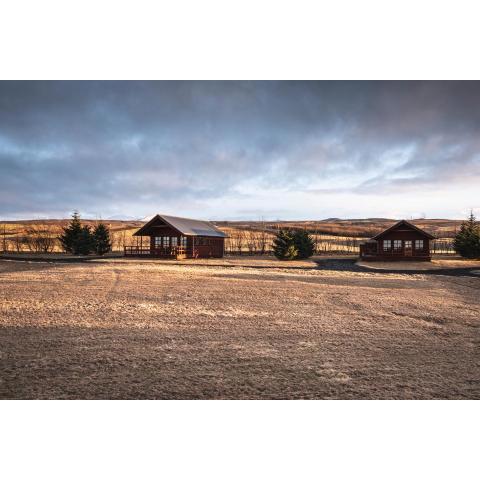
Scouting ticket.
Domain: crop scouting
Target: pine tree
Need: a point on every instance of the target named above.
(86, 242)
(71, 234)
(304, 244)
(284, 245)
(77, 239)
(467, 239)
(101, 237)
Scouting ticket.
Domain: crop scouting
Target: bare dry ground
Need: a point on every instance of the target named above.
(436, 264)
(160, 330)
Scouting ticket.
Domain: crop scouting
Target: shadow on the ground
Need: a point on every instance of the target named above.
(14, 266)
(349, 265)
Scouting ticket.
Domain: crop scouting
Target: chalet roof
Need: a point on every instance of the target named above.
(186, 226)
(406, 224)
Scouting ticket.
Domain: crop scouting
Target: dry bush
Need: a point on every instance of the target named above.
(41, 238)
(251, 241)
(237, 240)
(18, 243)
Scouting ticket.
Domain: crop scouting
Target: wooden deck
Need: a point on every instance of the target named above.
(394, 255)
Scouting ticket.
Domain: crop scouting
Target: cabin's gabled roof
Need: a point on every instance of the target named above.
(186, 226)
(406, 224)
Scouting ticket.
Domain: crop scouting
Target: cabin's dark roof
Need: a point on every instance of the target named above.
(186, 226)
(403, 223)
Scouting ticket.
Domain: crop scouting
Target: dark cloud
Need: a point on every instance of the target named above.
(136, 147)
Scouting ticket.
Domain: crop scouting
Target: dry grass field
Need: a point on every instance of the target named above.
(235, 329)
(247, 237)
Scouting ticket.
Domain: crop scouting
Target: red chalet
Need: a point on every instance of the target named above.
(402, 241)
(176, 237)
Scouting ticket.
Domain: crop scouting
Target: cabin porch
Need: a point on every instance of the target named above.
(163, 246)
(158, 252)
(393, 250)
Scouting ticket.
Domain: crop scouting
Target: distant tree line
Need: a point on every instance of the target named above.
(45, 237)
(37, 238)
(261, 238)
(260, 241)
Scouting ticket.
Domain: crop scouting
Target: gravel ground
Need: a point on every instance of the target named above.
(157, 330)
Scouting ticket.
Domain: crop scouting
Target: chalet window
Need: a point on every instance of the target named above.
(418, 244)
(183, 241)
(174, 241)
(408, 244)
(387, 245)
(162, 242)
(397, 245)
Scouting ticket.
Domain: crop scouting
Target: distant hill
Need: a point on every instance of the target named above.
(358, 228)
(125, 218)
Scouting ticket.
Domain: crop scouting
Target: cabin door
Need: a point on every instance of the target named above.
(408, 248)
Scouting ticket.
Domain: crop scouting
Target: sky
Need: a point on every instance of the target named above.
(239, 150)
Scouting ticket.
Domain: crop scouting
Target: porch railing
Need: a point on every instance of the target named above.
(135, 251)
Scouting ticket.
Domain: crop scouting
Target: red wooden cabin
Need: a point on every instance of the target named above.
(176, 237)
(402, 241)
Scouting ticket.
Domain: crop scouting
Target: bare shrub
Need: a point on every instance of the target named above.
(251, 241)
(40, 238)
(18, 242)
(238, 239)
(119, 240)
(262, 239)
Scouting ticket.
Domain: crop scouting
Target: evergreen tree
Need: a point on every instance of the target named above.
(284, 245)
(101, 237)
(304, 244)
(467, 240)
(71, 234)
(86, 241)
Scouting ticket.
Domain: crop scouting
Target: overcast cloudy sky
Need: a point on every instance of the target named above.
(239, 150)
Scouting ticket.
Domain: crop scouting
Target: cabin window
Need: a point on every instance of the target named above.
(162, 242)
(397, 245)
(418, 244)
(183, 242)
(174, 241)
(387, 245)
(408, 244)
